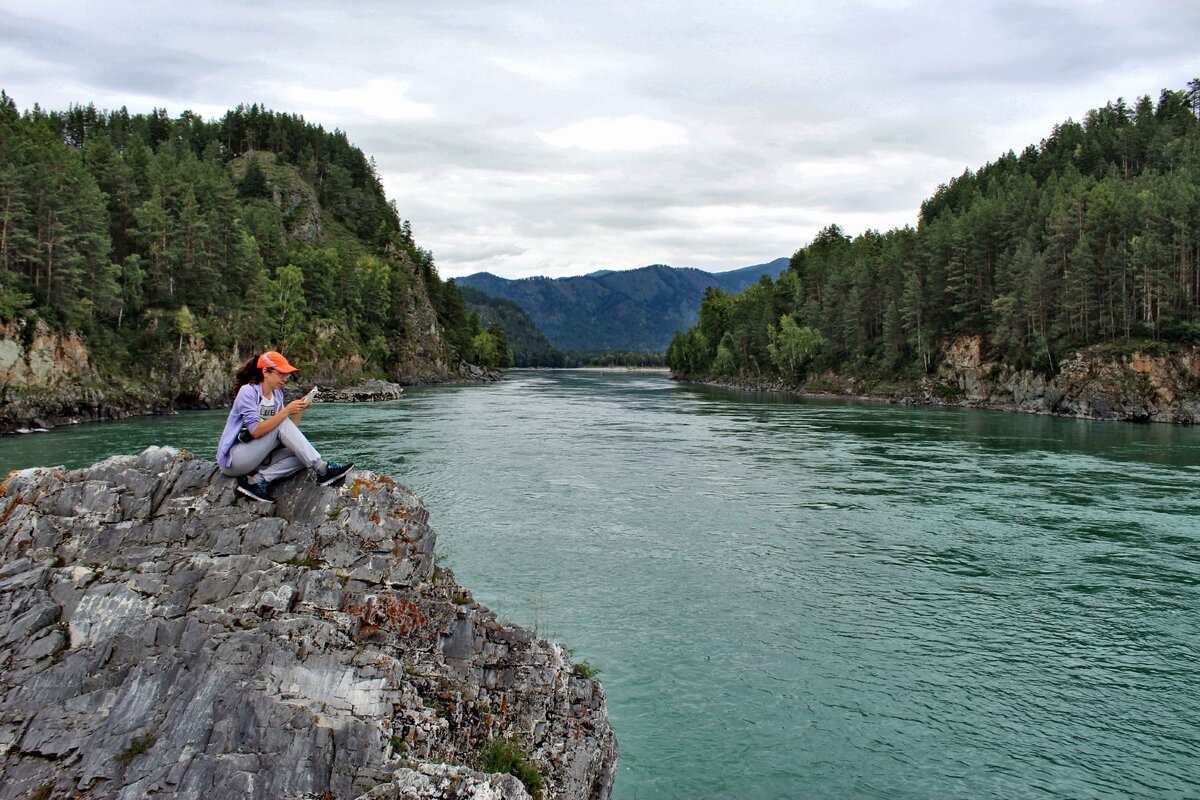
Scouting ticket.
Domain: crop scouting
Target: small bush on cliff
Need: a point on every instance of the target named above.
(510, 756)
(139, 745)
(585, 670)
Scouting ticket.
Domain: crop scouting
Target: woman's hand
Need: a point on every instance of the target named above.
(296, 407)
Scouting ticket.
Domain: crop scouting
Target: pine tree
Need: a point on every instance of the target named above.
(254, 183)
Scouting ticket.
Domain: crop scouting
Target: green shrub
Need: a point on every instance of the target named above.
(528, 774)
(509, 756)
(585, 670)
(139, 745)
(502, 755)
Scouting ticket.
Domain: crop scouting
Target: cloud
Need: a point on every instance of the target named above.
(546, 73)
(477, 250)
(548, 138)
(379, 98)
(608, 134)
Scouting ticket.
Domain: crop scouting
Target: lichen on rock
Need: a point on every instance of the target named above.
(162, 639)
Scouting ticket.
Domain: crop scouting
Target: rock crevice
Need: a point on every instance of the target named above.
(160, 638)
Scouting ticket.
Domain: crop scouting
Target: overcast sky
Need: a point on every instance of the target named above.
(538, 138)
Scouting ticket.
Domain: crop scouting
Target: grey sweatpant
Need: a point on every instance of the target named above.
(275, 455)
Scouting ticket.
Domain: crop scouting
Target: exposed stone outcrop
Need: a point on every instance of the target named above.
(365, 392)
(159, 638)
(197, 378)
(31, 355)
(1093, 383)
(473, 372)
(47, 379)
(1141, 384)
(299, 211)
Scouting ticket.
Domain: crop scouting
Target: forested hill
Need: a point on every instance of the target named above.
(149, 235)
(1091, 236)
(529, 347)
(632, 310)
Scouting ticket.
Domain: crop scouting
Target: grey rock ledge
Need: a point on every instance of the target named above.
(158, 638)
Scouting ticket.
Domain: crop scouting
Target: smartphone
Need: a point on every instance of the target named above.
(308, 398)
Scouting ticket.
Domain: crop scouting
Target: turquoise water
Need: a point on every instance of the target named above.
(794, 598)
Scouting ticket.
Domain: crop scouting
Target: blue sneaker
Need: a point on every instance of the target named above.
(334, 472)
(255, 490)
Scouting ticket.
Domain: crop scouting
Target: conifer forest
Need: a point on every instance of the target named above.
(257, 230)
(1092, 236)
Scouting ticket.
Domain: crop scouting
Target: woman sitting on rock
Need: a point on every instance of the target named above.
(261, 442)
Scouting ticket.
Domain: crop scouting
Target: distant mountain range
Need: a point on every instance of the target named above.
(637, 309)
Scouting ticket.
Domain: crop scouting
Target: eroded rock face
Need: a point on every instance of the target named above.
(369, 391)
(47, 379)
(1091, 384)
(159, 638)
(32, 355)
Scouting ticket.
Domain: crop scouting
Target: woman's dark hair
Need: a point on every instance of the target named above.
(249, 372)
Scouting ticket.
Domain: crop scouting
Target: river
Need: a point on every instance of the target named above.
(802, 598)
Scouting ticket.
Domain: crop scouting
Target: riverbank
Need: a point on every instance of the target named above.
(49, 378)
(1150, 383)
(31, 411)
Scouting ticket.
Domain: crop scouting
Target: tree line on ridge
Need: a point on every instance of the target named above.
(1091, 237)
(140, 231)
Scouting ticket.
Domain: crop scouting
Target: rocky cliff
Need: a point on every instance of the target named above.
(158, 638)
(47, 378)
(1099, 383)
(1145, 383)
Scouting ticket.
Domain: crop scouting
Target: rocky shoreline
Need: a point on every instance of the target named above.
(47, 379)
(365, 392)
(162, 639)
(31, 411)
(1094, 383)
(41, 412)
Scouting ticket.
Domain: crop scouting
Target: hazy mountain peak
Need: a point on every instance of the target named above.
(636, 309)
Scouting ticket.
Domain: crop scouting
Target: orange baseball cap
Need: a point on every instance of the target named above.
(272, 360)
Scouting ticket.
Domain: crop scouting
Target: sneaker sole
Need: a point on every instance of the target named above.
(253, 496)
(332, 481)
